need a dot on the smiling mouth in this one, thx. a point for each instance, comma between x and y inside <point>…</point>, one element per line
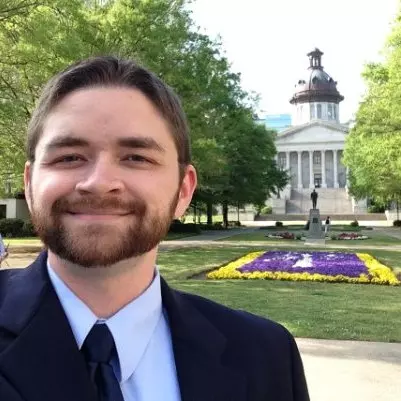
<point>97,214</point>
<point>100,212</point>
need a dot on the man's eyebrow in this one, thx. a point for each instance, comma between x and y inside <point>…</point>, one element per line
<point>68,141</point>
<point>141,143</point>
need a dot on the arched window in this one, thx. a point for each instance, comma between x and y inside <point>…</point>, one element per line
<point>319,111</point>
<point>312,111</point>
<point>330,114</point>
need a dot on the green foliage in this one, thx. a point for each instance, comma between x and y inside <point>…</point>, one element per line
<point>397,223</point>
<point>16,228</point>
<point>279,224</point>
<point>354,224</point>
<point>372,146</point>
<point>267,210</point>
<point>178,227</point>
<point>234,156</point>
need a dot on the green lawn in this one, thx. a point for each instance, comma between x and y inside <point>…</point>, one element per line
<point>33,241</point>
<point>307,309</point>
<point>260,236</point>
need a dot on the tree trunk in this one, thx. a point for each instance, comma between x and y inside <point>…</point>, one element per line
<point>398,210</point>
<point>225,214</point>
<point>209,208</point>
<point>195,212</point>
<point>238,212</point>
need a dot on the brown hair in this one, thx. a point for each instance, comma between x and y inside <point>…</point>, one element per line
<point>111,71</point>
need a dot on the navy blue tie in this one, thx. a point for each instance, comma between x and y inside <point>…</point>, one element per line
<point>99,349</point>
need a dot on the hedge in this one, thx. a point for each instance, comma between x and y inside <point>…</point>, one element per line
<point>16,228</point>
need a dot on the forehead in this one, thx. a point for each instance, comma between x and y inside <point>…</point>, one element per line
<point>101,115</point>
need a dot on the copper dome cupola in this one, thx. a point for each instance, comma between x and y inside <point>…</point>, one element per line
<point>319,87</point>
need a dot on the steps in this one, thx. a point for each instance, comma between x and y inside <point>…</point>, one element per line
<point>334,217</point>
<point>331,201</point>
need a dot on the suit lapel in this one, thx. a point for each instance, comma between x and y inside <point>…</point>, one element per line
<point>42,361</point>
<point>199,353</point>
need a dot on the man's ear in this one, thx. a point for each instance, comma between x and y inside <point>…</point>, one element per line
<point>27,184</point>
<point>188,185</point>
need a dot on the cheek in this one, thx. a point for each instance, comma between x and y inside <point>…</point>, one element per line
<point>46,188</point>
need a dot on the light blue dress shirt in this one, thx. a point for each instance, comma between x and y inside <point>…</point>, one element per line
<point>146,368</point>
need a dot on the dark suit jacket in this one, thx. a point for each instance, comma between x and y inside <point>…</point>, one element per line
<point>220,354</point>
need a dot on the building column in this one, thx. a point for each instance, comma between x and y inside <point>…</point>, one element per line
<point>311,183</point>
<point>335,168</point>
<point>287,161</point>
<point>300,186</point>
<point>323,162</point>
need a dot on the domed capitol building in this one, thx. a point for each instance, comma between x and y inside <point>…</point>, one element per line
<point>312,148</point>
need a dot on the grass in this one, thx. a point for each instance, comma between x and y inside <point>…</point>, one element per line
<point>315,310</point>
<point>307,309</point>
<point>34,241</point>
<point>301,227</point>
<point>260,236</point>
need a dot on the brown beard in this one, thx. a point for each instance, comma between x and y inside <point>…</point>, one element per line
<point>96,245</point>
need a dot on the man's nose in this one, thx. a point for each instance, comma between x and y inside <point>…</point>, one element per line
<point>102,177</point>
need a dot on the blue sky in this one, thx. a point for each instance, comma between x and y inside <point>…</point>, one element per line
<point>267,42</point>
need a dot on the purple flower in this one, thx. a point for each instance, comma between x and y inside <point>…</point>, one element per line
<point>326,263</point>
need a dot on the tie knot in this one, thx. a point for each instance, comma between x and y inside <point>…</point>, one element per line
<point>99,345</point>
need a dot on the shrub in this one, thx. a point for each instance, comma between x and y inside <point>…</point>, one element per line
<point>299,237</point>
<point>12,227</point>
<point>354,224</point>
<point>212,227</point>
<point>234,224</point>
<point>333,237</point>
<point>279,224</point>
<point>28,230</point>
<point>266,210</point>
<point>397,223</point>
<point>178,227</point>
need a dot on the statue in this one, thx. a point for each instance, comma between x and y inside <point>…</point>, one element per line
<point>314,197</point>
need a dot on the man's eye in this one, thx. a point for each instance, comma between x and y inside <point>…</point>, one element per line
<point>137,158</point>
<point>69,159</point>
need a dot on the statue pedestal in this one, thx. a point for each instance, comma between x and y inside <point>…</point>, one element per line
<point>315,234</point>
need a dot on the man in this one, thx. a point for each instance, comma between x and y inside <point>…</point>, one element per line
<point>314,197</point>
<point>91,319</point>
<point>327,225</point>
<point>3,251</point>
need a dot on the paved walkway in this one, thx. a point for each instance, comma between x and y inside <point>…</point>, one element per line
<point>351,370</point>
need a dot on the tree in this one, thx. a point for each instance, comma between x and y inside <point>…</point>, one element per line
<point>233,156</point>
<point>372,146</point>
<point>37,39</point>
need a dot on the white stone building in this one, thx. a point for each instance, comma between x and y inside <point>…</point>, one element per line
<point>311,150</point>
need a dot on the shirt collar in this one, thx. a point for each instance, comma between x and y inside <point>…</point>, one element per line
<point>132,326</point>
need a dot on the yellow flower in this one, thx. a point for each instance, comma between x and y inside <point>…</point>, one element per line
<point>380,273</point>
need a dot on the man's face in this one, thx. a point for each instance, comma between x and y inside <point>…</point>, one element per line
<point>105,184</point>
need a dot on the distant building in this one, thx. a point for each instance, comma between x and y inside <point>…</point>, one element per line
<point>311,150</point>
<point>277,122</point>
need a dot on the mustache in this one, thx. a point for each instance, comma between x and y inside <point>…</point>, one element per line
<point>64,205</point>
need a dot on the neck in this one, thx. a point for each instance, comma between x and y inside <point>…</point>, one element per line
<point>105,290</point>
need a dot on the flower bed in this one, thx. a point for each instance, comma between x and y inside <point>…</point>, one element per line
<point>283,235</point>
<point>310,266</point>
<point>350,236</point>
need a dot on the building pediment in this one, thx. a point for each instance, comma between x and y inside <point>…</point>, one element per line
<point>316,132</point>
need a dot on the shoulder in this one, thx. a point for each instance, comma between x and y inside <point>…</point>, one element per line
<point>239,325</point>
<point>7,277</point>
